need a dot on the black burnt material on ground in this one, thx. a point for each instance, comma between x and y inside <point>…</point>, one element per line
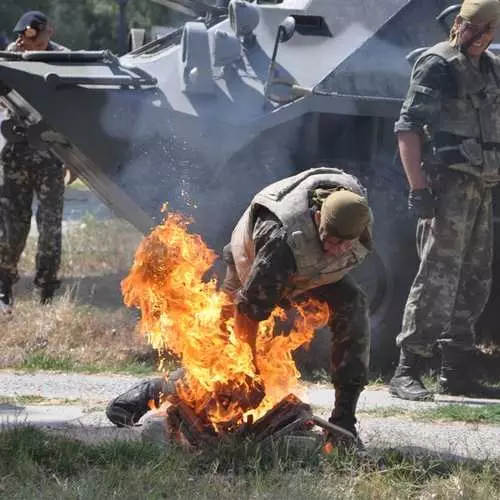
<point>186,427</point>
<point>290,417</point>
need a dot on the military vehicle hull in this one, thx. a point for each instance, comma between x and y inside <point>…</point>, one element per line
<point>205,117</point>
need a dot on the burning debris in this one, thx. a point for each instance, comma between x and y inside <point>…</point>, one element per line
<point>223,390</point>
<point>291,417</point>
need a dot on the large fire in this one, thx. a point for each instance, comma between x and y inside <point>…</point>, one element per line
<point>182,312</point>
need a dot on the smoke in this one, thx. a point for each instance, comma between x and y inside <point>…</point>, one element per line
<point>209,171</point>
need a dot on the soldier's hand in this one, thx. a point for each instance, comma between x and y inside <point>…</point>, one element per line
<point>421,202</point>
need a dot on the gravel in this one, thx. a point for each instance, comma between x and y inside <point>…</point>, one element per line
<point>87,421</point>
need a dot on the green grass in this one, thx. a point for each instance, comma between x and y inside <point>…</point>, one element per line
<point>79,185</point>
<point>484,414</point>
<point>42,361</point>
<point>35,399</point>
<point>34,464</point>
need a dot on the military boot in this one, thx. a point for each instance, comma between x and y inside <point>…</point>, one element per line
<point>129,407</point>
<point>458,377</point>
<point>344,416</point>
<point>6,298</point>
<point>406,382</point>
<point>46,292</point>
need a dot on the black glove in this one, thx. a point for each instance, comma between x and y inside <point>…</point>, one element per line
<point>421,202</point>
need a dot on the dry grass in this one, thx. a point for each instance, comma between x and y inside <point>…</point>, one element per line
<point>87,326</point>
<point>91,247</point>
<point>68,335</point>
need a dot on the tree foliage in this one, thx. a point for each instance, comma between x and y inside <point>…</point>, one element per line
<point>86,24</point>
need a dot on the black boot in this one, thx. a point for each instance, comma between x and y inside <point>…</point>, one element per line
<point>6,295</point>
<point>458,377</point>
<point>344,415</point>
<point>406,382</point>
<point>129,407</point>
<point>46,292</point>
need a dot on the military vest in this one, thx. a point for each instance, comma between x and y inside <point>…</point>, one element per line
<point>289,201</point>
<point>468,126</point>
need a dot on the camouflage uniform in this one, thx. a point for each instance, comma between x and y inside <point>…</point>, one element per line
<point>24,171</point>
<point>266,287</point>
<point>455,247</point>
<point>270,282</point>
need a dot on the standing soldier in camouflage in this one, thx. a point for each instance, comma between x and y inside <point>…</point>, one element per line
<point>24,171</point>
<point>299,238</point>
<point>450,126</point>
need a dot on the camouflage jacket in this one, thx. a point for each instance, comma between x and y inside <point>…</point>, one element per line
<point>457,104</point>
<point>271,270</point>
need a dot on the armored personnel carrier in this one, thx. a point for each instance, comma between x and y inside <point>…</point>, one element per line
<point>245,94</point>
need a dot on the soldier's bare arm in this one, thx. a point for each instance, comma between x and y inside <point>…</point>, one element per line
<point>410,147</point>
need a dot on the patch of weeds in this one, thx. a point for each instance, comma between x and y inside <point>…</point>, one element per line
<point>91,247</point>
<point>484,414</point>
<point>376,383</point>
<point>386,411</point>
<point>67,336</point>
<point>79,185</point>
<point>242,455</point>
<point>34,464</point>
<point>134,367</point>
<point>430,381</point>
<point>34,399</point>
<point>66,457</point>
<point>42,361</point>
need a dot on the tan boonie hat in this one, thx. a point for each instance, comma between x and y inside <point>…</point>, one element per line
<point>344,214</point>
<point>481,12</point>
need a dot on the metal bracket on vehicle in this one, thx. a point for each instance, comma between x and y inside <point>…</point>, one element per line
<point>54,80</point>
<point>129,77</point>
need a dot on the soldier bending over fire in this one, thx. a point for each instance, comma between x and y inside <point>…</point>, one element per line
<point>298,239</point>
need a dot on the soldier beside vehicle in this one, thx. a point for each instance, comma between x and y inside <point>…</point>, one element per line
<point>453,100</point>
<point>25,171</point>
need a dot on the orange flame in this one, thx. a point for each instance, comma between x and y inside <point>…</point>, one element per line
<point>181,313</point>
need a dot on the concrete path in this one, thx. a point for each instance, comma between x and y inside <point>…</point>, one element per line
<point>84,418</point>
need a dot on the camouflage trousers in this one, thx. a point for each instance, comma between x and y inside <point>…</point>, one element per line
<point>453,282</point>
<point>24,172</point>
<point>349,323</point>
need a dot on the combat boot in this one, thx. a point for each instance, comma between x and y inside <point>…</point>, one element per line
<point>406,382</point>
<point>6,298</point>
<point>46,292</point>
<point>344,416</point>
<point>458,376</point>
<point>128,408</point>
